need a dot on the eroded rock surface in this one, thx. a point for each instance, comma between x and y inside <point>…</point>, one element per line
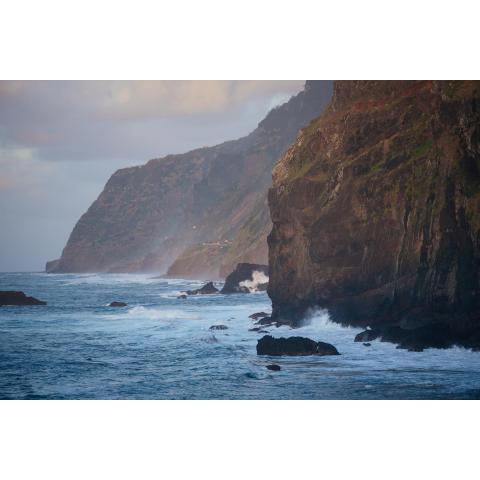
<point>376,212</point>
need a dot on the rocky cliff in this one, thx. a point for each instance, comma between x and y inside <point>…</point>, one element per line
<point>208,204</point>
<point>376,209</point>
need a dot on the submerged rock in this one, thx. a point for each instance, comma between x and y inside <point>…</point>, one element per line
<point>208,289</point>
<point>218,327</point>
<point>266,321</point>
<point>118,304</point>
<point>182,297</point>
<point>246,278</point>
<point>274,367</point>
<point>257,315</point>
<point>257,329</point>
<point>11,297</point>
<point>367,344</point>
<point>367,336</point>
<point>268,345</point>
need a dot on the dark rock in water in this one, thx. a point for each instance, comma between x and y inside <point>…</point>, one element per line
<point>218,327</point>
<point>256,316</point>
<point>183,296</point>
<point>266,321</point>
<point>246,272</point>
<point>367,336</point>
<point>118,304</point>
<point>254,329</point>
<point>274,367</point>
<point>207,289</point>
<point>268,345</point>
<point>416,339</point>
<point>10,297</point>
<point>415,349</point>
<point>367,344</point>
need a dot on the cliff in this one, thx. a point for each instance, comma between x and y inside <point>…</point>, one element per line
<point>208,204</point>
<point>376,209</point>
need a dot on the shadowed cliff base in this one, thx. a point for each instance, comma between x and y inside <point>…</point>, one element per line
<point>376,213</point>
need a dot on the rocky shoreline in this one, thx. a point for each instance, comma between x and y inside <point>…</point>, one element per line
<point>376,213</point>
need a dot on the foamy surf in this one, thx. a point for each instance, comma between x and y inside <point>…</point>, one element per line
<point>153,313</point>
<point>258,278</point>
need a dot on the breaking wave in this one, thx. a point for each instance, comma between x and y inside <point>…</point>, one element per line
<point>258,278</point>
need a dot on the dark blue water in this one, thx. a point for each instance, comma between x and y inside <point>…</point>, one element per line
<point>160,347</point>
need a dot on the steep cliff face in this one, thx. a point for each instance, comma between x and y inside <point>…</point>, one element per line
<point>147,216</point>
<point>376,208</point>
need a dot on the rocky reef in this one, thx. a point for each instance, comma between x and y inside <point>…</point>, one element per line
<point>293,346</point>
<point>376,213</point>
<point>11,297</point>
<point>206,208</point>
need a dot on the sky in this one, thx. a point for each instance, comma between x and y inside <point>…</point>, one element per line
<point>60,141</point>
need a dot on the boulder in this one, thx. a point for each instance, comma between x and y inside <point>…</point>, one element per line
<point>294,346</point>
<point>274,367</point>
<point>246,278</point>
<point>11,297</point>
<point>207,289</point>
<point>367,336</point>
<point>183,296</point>
<point>367,344</point>
<point>218,327</point>
<point>118,304</point>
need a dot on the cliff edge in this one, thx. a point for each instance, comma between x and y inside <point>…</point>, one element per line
<point>376,209</point>
<point>200,205</point>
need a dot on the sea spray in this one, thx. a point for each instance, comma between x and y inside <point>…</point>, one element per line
<point>258,278</point>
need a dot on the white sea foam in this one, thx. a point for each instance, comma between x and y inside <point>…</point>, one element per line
<point>154,313</point>
<point>258,278</point>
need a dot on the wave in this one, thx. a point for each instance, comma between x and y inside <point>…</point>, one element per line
<point>258,278</point>
<point>153,313</point>
<point>111,278</point>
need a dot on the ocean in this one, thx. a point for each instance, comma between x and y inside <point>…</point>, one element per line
<point>161,347</point>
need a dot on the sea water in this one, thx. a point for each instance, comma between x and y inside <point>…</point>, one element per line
<point>161,347</point>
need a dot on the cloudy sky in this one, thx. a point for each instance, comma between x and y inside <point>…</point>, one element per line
<point>61,141</point>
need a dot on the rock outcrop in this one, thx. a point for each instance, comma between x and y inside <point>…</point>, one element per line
<point>293,346</point>
<point>11,297</point>
<point>376,211</point>
<point>208,206</point>
<point>246,277</point>
<point>118,304</point>
<point>208,289</point>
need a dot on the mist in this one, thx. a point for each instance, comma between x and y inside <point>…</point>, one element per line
<point>61,140</point>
